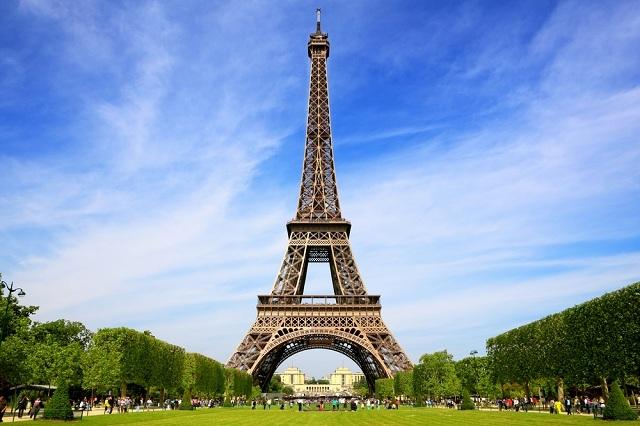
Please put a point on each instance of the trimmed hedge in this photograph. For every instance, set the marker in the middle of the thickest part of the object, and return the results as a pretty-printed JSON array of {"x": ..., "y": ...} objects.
[
  {"x": 618, "y": 407},
  {"x": 467, "y": 403},
  {"x": 59, "y": 406},
  {"x": 121, "y": 356},
  {"x": 588, "y": 343},
  {"x": 185, "y": 404}
]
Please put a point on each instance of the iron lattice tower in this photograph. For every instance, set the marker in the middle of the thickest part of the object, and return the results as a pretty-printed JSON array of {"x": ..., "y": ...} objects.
[{"x": 348, "y": 321}]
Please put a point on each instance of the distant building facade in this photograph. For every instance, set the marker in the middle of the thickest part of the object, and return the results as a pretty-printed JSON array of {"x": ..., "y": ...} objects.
[
  {"x": 341, "y": 382},
  {"x": 345, "y": 378}
]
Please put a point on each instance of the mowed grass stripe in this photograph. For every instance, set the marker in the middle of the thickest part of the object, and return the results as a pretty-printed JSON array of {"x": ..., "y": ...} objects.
[{"x": 404, "y": 416}]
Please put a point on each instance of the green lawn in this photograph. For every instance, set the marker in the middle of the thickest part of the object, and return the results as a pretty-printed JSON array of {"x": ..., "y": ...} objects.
[{"x": 404, "y": 416}]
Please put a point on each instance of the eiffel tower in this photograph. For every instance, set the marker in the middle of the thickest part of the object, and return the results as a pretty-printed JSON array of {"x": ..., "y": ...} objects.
[{"x": 348, "y": 321}]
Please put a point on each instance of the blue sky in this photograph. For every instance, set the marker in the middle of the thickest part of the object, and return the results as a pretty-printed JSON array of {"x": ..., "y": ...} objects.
[{"x": 486, "y": 155}]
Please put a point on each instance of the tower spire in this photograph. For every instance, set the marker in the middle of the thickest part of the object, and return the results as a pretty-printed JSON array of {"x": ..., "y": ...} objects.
[
  {"x": 318, "y": 20},
  {"x": 318, "y": 199}
]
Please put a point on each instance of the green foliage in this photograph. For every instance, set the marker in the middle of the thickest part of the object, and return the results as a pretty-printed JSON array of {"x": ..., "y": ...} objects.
[
  {"x": 618, "y": 407},
  {"x": 361, "y": 387},
  {"x": 287, "y": 390},
  {"x": 203, "y": 375},
  {"x": 435, "y": 376},
  {"x": 384, "y": 388},
  {"x": 583, "y": 344},
  {"x": 118, "y": 356},
  {"x": 57, "y": 350},
  {"x": 17, "y": 316},
  {"x": 403, "y": 383},
  {"x": 59, "y": 406},
  {"x": 275, "y": 384},
  {"x": 15, "y": 326},
  {"x": 476, "y": 376},
  {"x": 185, "y": 404},
  {"x": 467, "y": 403}
]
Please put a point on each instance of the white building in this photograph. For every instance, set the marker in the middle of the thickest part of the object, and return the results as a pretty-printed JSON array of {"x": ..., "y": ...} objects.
[{"x": 341, "y": 382}]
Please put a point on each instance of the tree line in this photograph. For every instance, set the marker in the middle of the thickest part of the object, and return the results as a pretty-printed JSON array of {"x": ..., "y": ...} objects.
[
  {"x": 585, "y": 347},
  {"x": 112, "y": 359},
  {"x": 591, "y": 344}
]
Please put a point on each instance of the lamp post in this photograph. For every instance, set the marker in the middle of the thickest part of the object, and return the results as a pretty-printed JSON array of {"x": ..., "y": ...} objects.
[
  {"x": 5, "y": 318},
  {"x": 473, "y": 353}
]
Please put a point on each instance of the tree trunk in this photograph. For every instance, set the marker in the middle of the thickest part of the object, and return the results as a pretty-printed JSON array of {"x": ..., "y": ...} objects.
[
  {"x": 527, "y": 389},
  {"x": 605, "y": 388},
  {"x": 123, "y": 390},
  {"x": 162, "y": 390},
  {"x": 560, "y": 385}
]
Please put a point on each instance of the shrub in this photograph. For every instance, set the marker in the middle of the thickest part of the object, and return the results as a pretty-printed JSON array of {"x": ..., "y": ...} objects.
[
  {"x": 59, "y": 406},
  {"x": 467, "y": 403},
  {"x": 185, "y": 404},
  {"x": 618, "y": 407}
]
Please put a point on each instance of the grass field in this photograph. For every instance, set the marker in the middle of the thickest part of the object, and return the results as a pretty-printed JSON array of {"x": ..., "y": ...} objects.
[{"x": 404, "y": 416}]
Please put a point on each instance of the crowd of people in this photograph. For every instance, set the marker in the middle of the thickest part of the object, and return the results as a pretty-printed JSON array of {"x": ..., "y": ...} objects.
[{"x": 570, "y": 405}]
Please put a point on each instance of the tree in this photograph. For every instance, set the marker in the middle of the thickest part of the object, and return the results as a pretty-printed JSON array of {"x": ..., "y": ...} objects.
[
  {"x": 56, "y": 351},
  {"x": 275, "y": 384},
  {"x": 15, "y": 346},
  {"x": 467, "y": 404},
  {"x": 384, "y": 388},
  {"x": 13, "y": 316},
  {"x": 361, "y": 387},
  {"x": 185, "y": 404},
  {"x": 59, "y": 406},
  {"x": 618, "y": 407},
  {"x": 403, "y": 383},
  {"x": 438, "y": 375},
  {"x": 288, "y": 390},
  {"x": 589, "y": 343}
]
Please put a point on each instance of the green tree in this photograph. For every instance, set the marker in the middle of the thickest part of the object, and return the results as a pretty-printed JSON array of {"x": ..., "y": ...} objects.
[
  {"x": 403, "y": 383},
  {"x": 384, "y": 388},
  {"x": 361, "y": 387},
  {"x": 590, "y": 343},
  {"x": 617, "y": 407},
  {"x": 288, "y": 390},
  {"x": 185, "y": 403},
  {"x": 275, "y": 384},
  {"x": 59, "y": 406},
  {"x": 15, "y": 326},
  {"x": 118, "y": 356},
  {"x": 13, "y": 316},
  {"x": 438, "y": 375},
  {"x": 467, "y": 404},
  {"x": 56, "y": 351}
]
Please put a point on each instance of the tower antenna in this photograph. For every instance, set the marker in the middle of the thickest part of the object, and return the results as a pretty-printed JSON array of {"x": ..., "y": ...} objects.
[{"x": 318, "y": 20}]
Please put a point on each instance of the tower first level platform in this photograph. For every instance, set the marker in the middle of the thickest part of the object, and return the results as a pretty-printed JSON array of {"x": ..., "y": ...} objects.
[{"x": 351, "y": 325}]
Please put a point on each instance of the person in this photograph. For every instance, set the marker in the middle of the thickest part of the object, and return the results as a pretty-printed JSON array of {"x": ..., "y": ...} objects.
[
  {"x": 299, "y": 404},
  {"x": 567, "y": 405},
  {"x": 35, "y": 408},
  {"x": 3, "y": 406},
  {"x": 558, "y": 407},
  {"x": 22, "y": 405},
  {"x": 253, "y": 404}
]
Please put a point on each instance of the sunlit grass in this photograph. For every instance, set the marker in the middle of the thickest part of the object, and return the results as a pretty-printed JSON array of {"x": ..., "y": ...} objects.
[{"x": 404, "y": 416}]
